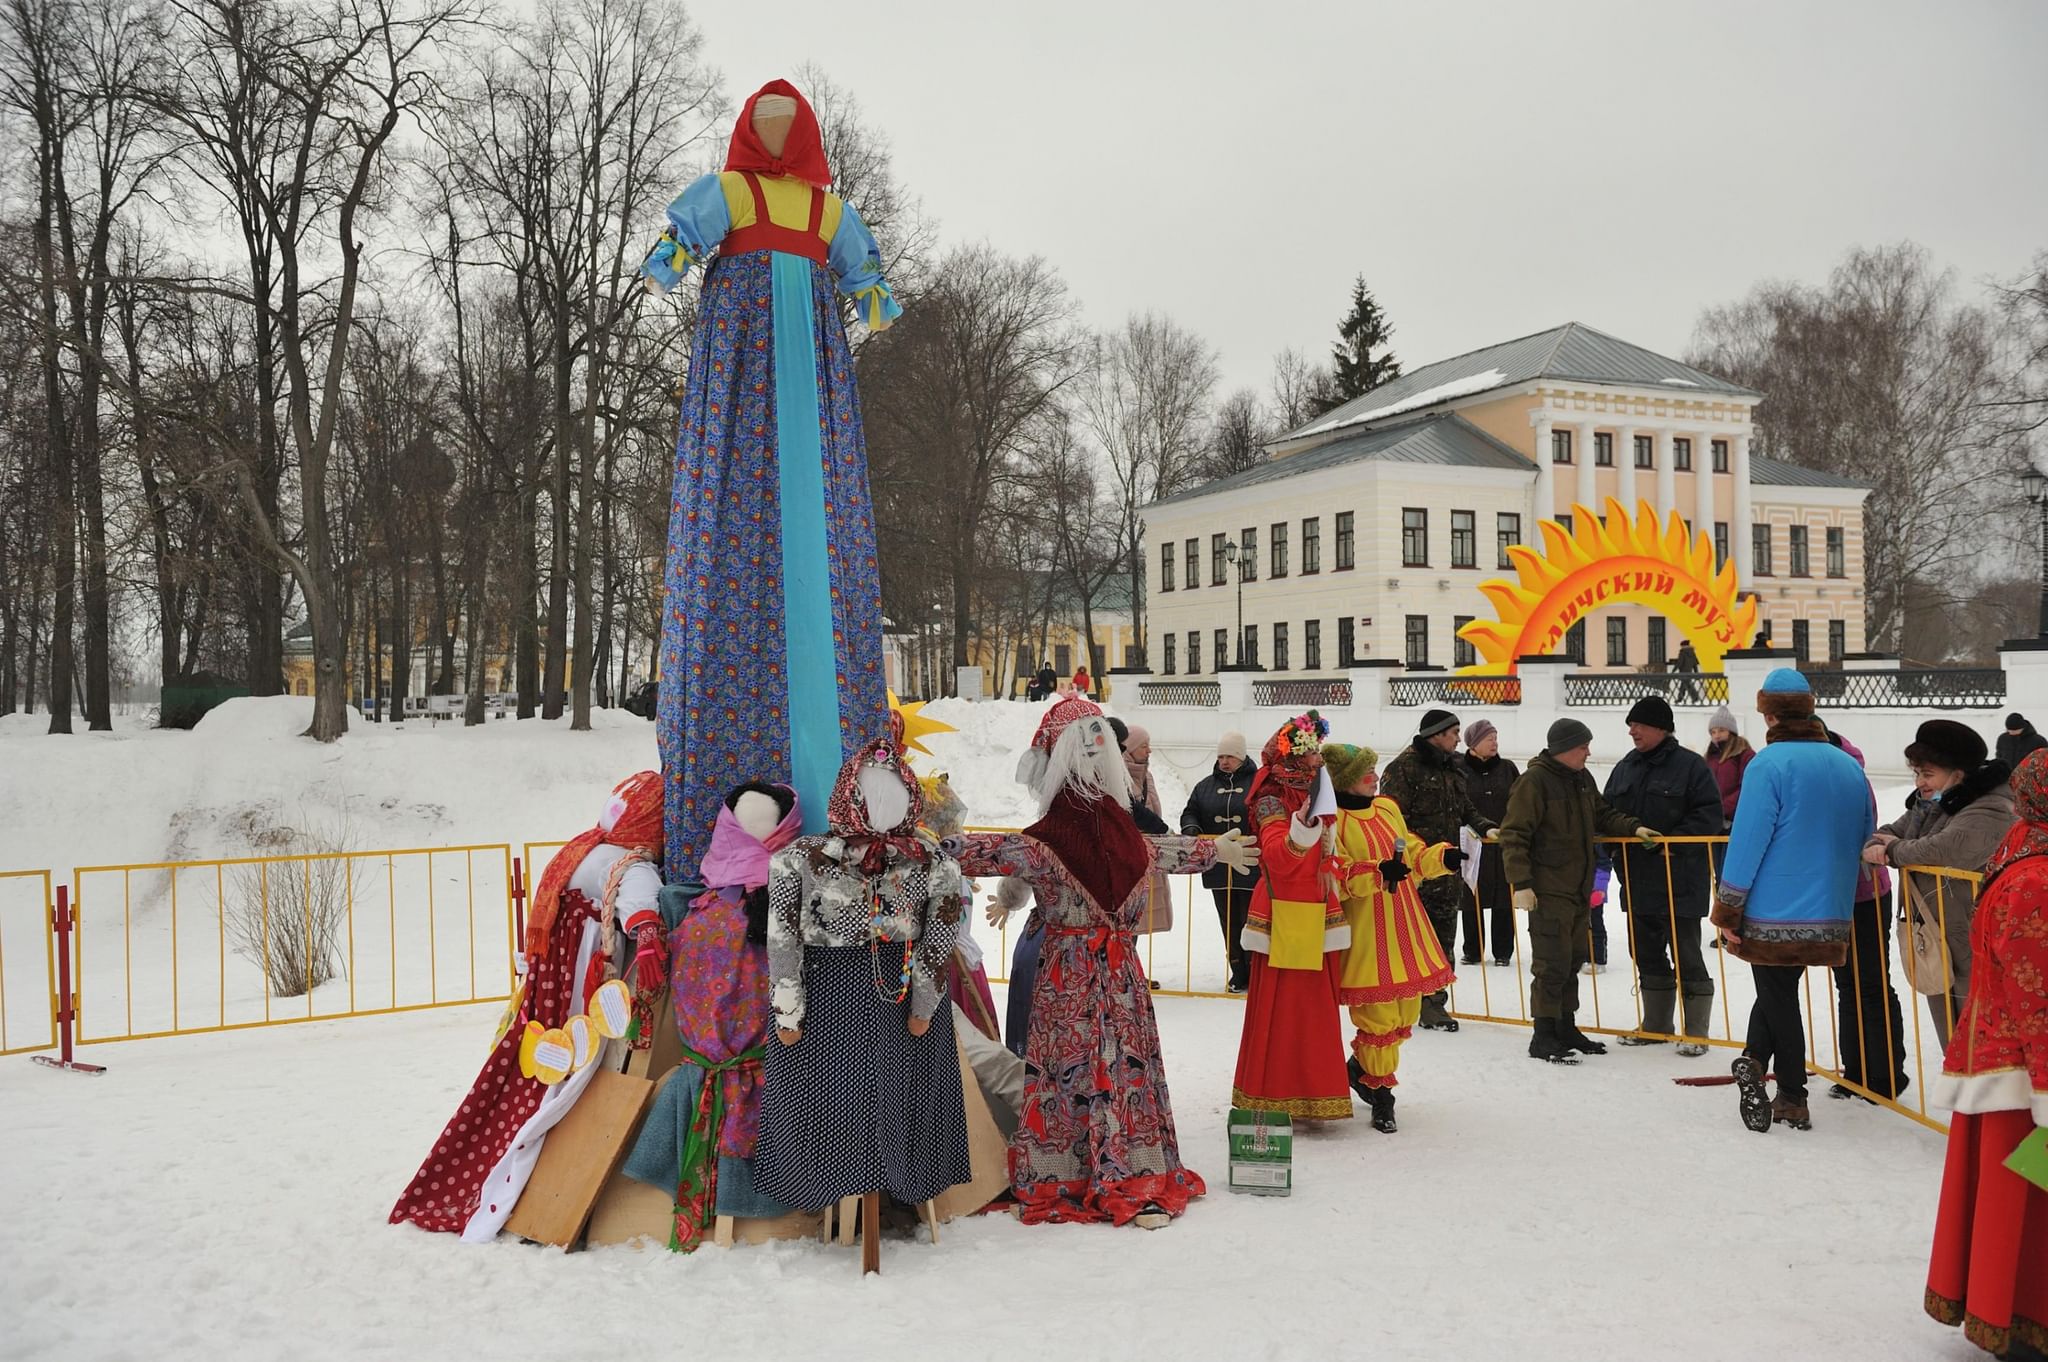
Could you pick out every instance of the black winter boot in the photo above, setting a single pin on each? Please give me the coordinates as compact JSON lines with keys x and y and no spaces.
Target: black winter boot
{"x":1382,"y":1100}
{"x":1356,"y":1072}
{"x":1570,"y":1036}
{"x":1545,"y":1044}
{"x":1754,"y":1098}
{"x":1434,"y":1015}
{"x":1659,"y":1005}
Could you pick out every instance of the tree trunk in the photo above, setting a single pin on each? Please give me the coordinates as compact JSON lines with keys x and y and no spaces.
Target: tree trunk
{"x":525,"y":588}
{"x":557,"y":654}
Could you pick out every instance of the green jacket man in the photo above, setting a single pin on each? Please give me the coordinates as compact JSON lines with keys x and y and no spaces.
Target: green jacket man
{"x":1546,"y":843}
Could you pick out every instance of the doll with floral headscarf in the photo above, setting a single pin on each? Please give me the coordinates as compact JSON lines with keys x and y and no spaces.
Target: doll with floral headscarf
{"x":1095,"y":1140}
{"x":602,"y":881}
{"x":863,"y":1086}
{"x":1291,"y":1055}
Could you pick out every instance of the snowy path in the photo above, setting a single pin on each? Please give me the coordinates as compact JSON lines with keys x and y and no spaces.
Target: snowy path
{"x":225,"y":1196}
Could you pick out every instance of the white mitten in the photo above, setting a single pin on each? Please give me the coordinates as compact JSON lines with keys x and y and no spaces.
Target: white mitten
{"x":1237,"y":851}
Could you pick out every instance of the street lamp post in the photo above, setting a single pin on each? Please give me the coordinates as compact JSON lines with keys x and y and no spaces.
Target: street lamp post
{"x":1230,"y":553}
{"x":2036,"y":484}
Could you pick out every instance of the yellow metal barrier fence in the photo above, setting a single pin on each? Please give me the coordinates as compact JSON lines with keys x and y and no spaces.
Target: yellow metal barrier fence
{"x":28,"y":962}
{"x":181,"y":947}
{"x":1613,"y":995}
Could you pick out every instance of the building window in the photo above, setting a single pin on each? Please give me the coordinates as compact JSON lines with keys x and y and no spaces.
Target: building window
{"x":1248,"y":554}
{"x":1311,"y":545}
{"x":1464,"y":539}
{"x":1720,"y":544}
{"x":1565,"y":523}
{"x":1681,"y":455}
{"x":1347,"y":641}
{"x":1760,"y":550}
{"x":1560,"y":446}
{"x":1166,"y":567}
{"x":1462,"y":652}
{"x":1279,"y":647}
{"x":1223,"y":649}
{"x":1251,"y":645}
{"x":1194,"y":653}
{"x":1575,"y":641}
{"x":1838,"y":641}
{"x":1418,"y":640}
{"x":1646,"y":451}
{"x":1660,"y":653}
{"x":1802,"y":641}
{"x":1603,"y":450}
{"x":1508,"y":529}
{"x":1617,"y":640}
{"x":1193,"y":564}
{"x":1719,"y":452}
{"x":1218,"y":563}
{"x":1312,"y":645}
{"x":1171,"y":640}
{"x":1280,"y":550}
{"x":1344,"y":541}
{"x":1414,"y":537}
{"x":1838,"y":552}
{"x":1795,"y":553}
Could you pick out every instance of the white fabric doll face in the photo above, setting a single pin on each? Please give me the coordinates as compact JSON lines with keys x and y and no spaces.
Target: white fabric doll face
{"x":758,"y":814}
{"x":887,"y":799}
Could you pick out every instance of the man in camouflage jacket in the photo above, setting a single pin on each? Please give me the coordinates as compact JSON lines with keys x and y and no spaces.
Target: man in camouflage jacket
{"x":1426,"y":781}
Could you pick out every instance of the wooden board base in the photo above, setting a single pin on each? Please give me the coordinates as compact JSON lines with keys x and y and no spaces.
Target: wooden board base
{"x":578,"y":1160}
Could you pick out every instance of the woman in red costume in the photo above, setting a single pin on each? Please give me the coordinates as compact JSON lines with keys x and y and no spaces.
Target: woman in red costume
{"x":1990,"y":1266}
{"x":1291,"y":1057}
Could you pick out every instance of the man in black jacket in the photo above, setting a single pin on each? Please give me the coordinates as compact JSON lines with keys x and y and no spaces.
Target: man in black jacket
{"x":2018,"y":740}
{"x":1214,"y":807}
{"x":1428,"y":781}
{"x":1669,"y":787}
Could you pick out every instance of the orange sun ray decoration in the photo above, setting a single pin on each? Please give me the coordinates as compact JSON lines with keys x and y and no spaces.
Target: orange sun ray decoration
{"x":917,"y":725}
{"x":1620,"y":560}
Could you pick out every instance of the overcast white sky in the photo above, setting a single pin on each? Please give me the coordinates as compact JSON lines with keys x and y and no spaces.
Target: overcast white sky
{"x":1491,"y":168}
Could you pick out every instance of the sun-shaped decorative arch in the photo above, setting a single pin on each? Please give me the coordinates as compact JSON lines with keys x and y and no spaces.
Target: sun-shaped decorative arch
{"x":1622,"y":560}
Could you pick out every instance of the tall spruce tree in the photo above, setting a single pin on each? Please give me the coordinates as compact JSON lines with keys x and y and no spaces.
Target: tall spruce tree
{"x":1363,"y":357}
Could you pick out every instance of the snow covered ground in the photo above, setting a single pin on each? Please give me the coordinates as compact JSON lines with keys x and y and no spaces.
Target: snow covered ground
{"x":225,"y":1195}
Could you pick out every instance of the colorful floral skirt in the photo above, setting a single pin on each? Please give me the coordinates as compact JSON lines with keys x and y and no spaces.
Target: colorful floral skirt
{"x":1989,"y":1271}
{"x":859,"y":1104}
{"x":1095,"y":1142}
{"x":1291,"y":1056}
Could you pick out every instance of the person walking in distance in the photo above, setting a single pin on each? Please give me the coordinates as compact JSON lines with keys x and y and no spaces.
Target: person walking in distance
{"x":1489,"y":776}
{"x":1788,"y":887}
{"x":1554,"y":813}
{"x":1665,"y":891}
{"x":1215,"y":806}
{"x":1428,"y":781}
{"x":1728,"y":756}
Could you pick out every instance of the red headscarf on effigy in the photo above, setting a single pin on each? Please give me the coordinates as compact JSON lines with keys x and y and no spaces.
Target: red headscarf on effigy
{"x":1095,"y":839}
{"x":632,"y":819}
{"x":803,"y":155}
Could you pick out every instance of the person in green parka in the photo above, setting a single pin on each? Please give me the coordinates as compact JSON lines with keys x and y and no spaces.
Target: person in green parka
{"x":1546,"y":841}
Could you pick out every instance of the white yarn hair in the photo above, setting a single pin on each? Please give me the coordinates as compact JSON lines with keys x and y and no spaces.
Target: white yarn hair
{"x":1092,"y":773}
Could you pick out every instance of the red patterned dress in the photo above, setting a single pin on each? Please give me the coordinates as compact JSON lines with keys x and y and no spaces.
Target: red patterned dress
{"x":1989,"y":1270}
{"x":1095,"y":1140}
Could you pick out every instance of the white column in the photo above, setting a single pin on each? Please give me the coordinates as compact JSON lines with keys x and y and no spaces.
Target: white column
{"x":1546,"y":487}
{"x":1739,"y":535}
{"x":1703,"y":486}
{"x":1625,"y":466}
{"x":1588,"y":494}
{"x":1667,"y":476}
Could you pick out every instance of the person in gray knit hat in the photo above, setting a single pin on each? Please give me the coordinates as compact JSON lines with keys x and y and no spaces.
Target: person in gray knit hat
{"x":1428,"y":781}
{"x":1556,"y":807}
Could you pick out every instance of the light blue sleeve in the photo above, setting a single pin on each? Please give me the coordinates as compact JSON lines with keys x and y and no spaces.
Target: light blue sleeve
{"x":857,"y":264}
{"x":1756,"y":821}
{"x":698,"y":220}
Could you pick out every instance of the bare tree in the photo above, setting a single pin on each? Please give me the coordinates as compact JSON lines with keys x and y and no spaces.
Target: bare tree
{"x":1883,"y":376}
{"x":1237,"y":436}
{"x":1145,"y":401}
{"x":1301,"y":389}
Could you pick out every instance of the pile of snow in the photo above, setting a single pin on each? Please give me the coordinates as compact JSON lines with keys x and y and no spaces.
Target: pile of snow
{"x":1429,"y":397}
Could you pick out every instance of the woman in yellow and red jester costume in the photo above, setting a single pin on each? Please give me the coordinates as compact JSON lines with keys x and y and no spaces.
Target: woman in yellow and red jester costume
{"x":1291,"y":1056}
{"x":1396,"y":956}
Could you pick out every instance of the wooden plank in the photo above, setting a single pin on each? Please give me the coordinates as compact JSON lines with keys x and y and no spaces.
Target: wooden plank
{"x":580,"y":1157}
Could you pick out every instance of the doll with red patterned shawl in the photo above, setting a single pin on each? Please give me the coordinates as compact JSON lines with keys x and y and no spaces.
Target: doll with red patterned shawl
{"x":1095,"y":1140}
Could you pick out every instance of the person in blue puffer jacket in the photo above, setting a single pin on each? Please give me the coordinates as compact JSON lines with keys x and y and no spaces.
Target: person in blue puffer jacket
{"x":1788,"y":888}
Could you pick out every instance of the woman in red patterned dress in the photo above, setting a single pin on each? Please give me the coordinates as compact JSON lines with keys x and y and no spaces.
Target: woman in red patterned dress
{"x":1989,"y":1271}
{"x":1291,"y":1056}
